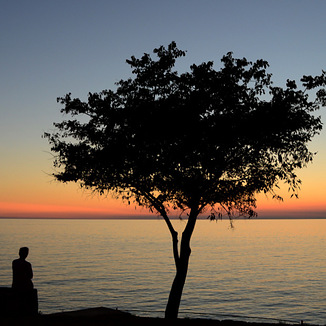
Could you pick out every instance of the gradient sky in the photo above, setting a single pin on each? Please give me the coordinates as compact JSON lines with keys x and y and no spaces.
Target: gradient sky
{"x":50,"y":48}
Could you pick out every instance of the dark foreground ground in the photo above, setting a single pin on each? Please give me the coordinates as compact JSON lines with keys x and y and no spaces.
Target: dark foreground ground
{"x":108,"y":317}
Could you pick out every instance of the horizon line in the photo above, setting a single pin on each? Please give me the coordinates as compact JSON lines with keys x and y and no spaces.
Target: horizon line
{"x":160,"y":217}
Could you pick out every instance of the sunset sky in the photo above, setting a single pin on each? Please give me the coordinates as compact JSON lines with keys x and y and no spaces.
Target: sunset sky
{"x":50,"y":48}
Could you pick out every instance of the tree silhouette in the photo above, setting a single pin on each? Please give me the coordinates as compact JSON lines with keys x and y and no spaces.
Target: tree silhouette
{"x":203,"y":141}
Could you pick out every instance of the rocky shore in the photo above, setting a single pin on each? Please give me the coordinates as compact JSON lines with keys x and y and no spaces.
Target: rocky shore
{"x":110,"y":317}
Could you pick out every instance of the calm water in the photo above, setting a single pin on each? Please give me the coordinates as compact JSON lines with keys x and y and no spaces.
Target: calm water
{"x":262,"y":268}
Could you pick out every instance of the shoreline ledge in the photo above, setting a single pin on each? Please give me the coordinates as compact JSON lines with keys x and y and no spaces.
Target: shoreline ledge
{"x":101,"y":316}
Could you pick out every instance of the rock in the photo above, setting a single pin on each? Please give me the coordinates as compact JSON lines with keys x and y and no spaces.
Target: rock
{"x":18,"y":302}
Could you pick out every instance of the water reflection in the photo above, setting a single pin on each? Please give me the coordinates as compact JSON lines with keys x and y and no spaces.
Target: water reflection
{"x":273,"y":268}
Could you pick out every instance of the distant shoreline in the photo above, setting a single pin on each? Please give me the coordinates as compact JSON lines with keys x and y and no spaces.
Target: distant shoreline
{"x":152,"y":218}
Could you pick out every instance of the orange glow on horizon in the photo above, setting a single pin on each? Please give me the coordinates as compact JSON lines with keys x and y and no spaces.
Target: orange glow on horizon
{"x":24,"y":210}
{"x":269,"y":208}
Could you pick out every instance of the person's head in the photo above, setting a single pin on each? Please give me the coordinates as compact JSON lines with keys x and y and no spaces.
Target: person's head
{"x":23,"y":252}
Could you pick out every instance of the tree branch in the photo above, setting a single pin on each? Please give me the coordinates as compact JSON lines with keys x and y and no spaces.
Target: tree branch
{"x":162,"y":211}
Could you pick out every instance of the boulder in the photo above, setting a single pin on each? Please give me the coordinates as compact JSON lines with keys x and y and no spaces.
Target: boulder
{"x":15,"y":302}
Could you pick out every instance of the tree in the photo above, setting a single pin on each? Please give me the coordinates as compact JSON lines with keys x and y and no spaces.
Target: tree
{"x":199,"y":142}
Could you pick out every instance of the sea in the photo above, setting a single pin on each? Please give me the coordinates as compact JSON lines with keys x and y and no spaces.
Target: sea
{"x":258,"y":270}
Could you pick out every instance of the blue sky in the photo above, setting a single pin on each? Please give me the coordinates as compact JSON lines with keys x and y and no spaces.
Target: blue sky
{"x":50,"y":48}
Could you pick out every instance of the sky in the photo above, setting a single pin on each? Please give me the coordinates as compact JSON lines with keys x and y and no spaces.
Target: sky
{"x":50,"y":48}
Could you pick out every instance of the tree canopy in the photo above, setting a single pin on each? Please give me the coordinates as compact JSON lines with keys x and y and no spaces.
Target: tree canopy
{"x":207,"y":137}
{"x":200,"y":141}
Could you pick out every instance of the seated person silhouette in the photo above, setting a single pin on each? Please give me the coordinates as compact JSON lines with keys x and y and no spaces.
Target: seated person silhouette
{"x":22,"y":272}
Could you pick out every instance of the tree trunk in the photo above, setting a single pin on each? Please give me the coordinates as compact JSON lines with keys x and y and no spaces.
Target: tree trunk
{"x":172,"y":307}
{"x":181,"y":262}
